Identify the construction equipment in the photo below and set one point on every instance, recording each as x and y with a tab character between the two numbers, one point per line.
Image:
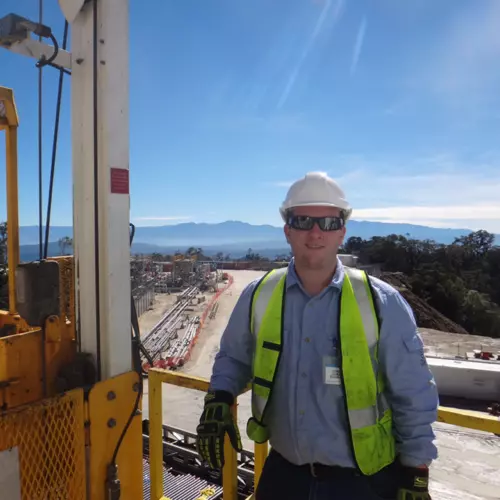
70	423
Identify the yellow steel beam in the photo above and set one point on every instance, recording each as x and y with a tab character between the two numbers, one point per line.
12	213
187	381
261	452
180	379
230	470
469	419
9	110
462	418
155	379
9	123
110	404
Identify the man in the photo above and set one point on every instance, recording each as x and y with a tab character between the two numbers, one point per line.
340	383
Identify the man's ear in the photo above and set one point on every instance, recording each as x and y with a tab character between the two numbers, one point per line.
343	235
286	230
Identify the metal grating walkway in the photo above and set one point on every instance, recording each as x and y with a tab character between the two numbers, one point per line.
182	487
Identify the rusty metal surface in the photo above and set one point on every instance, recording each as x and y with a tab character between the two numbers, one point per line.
182	487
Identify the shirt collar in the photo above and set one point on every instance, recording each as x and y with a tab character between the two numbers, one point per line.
337	279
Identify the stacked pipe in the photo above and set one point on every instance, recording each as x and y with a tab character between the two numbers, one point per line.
179	350
214	310
164	332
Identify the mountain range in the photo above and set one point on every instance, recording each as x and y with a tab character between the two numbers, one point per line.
233	237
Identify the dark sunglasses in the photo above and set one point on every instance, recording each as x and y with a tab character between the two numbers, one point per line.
306	223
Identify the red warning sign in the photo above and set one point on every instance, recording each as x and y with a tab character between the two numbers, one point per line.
119	180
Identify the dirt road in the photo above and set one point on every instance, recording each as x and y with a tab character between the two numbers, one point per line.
182	407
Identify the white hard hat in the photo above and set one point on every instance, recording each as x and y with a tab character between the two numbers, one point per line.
315	189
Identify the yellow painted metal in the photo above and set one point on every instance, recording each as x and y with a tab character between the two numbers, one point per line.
67	295
12	204
22	380
469	419
11	116
261	452
110	405
185	380
18	324
50	439
155	379
463	418
180	379
230	470
21	369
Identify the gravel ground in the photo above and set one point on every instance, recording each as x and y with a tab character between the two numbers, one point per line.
469	461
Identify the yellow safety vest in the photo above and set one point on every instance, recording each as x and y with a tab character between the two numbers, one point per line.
369	415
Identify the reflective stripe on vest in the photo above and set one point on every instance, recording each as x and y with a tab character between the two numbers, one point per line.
369	416
266	319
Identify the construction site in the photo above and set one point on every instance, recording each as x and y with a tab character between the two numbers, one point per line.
105	357
452	477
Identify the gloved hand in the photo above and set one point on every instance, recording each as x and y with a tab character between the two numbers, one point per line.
414	484
215	421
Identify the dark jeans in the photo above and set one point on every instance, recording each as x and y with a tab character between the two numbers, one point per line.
282	480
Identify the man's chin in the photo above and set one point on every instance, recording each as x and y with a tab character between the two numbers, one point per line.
315	262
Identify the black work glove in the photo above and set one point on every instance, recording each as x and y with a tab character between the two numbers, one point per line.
414	484
215	421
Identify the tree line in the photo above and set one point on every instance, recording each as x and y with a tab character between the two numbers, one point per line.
460	280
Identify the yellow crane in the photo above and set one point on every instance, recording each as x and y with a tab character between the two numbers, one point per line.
70	389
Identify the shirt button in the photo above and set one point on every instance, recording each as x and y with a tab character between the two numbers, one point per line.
304	374
302	412
307	339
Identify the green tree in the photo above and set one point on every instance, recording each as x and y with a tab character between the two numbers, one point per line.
460	280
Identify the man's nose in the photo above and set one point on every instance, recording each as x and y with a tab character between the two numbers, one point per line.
316	231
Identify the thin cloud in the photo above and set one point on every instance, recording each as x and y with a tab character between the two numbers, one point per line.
287	184
281	184
462	68
339	7
358	45
447	197
441	190
164	218
432	213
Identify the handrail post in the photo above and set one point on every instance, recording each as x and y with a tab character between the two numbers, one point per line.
230	469
260	455
155	434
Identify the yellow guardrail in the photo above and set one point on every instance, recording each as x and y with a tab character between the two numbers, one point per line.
157	377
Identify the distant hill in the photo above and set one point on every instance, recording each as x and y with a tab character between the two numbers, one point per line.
233	237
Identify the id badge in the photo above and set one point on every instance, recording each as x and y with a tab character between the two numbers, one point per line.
331	371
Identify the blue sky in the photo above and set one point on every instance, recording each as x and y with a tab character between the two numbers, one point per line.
234	100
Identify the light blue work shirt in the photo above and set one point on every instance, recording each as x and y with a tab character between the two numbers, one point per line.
307	417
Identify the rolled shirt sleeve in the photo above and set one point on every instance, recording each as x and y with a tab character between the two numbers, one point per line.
411	389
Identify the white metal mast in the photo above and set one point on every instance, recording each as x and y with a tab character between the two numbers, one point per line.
103	295
99	63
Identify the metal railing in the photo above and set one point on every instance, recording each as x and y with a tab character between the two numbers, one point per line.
157	377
